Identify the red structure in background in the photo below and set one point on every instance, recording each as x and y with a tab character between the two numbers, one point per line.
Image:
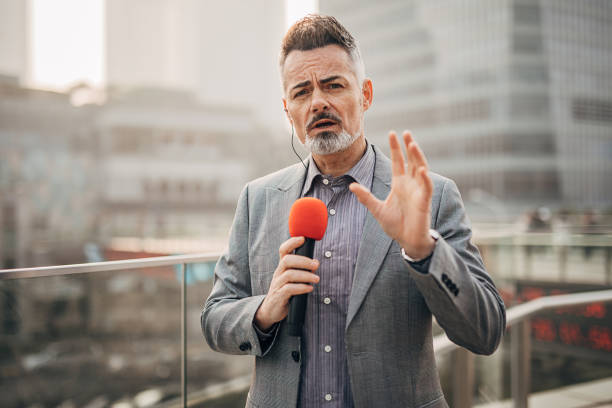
576	328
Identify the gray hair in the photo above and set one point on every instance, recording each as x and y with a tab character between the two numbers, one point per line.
317	31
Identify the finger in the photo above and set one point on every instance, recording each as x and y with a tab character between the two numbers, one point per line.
366	198
293	289
420	158
426	182
289	245
297	276
415	154
291	261
408	141
397	156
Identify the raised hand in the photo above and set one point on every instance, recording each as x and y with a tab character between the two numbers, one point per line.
405	213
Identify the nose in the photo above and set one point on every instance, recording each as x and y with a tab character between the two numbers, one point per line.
319	101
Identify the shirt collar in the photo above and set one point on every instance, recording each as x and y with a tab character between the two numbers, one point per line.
362	172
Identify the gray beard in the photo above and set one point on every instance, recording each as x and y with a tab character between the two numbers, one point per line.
330	142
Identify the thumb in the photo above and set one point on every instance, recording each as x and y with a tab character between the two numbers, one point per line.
366	198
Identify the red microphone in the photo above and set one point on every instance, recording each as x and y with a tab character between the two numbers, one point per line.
308	219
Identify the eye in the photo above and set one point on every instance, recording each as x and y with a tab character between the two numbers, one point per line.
300	93
335	85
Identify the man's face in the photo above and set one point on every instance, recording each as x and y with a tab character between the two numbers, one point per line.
324	100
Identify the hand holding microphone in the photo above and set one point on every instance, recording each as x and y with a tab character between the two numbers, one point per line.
294	274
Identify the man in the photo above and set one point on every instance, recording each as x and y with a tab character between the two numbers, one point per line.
378	274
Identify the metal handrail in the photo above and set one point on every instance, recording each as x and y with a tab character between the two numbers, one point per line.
46	271
519	313
442	344
551	239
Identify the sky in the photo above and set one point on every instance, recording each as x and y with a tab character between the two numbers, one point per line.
67	41
299	8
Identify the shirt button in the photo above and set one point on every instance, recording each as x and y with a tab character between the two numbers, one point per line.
328	397
328	254
327	301
325	181
327	349
332	211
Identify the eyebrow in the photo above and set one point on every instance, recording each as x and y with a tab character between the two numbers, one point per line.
329	79
300	85
323	81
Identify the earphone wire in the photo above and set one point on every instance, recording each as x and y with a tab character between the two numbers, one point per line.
294	151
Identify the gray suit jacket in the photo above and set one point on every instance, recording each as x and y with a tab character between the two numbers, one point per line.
388	327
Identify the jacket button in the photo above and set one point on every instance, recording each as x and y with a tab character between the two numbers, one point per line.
296	356
245	346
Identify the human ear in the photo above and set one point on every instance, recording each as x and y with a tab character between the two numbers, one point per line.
367	94
287	111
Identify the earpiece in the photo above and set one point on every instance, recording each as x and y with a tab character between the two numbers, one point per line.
289	116
292	146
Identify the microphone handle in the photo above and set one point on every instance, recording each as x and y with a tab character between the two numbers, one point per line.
297	304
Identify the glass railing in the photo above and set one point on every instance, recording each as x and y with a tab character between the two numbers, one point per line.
120	333
551	342
127	333
552	350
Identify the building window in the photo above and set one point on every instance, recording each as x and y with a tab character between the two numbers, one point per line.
529	73
168	137
592	110
189	138
532	184
540	144
528	105
163	188
527	14
182	187
526	43
129	139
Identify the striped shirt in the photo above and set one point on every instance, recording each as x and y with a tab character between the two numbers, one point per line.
325	379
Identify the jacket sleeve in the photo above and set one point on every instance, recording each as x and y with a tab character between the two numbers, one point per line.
456	287
227	317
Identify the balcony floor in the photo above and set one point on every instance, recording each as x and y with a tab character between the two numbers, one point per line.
592	394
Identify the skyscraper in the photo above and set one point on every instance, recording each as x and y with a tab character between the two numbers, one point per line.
13	39
511	99
224	52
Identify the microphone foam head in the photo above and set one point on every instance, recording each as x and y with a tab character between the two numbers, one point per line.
308	218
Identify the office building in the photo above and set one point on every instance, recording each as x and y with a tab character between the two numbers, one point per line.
224	52
511	99
14	22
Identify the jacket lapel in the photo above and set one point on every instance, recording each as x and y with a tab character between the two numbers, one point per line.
279	200
374	242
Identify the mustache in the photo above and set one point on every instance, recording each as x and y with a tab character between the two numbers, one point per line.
323	115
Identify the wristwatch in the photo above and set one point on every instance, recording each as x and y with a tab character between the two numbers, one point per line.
435	235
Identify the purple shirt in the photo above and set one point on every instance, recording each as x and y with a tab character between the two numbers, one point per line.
324	380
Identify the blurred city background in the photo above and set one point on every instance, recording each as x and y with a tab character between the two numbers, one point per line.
128	128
